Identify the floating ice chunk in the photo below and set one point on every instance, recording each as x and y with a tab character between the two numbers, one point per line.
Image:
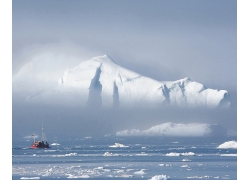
71	154
142	154
185	159
141	172
55	144
118	145
180	154
228	155
228	144
30	178
168	164
199	177
173	154
88	137
184	165
124	175
187	154
119	171
160	177
75	177
110	154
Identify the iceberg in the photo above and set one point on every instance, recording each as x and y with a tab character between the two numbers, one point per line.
176	129
117	145
228	145
100	82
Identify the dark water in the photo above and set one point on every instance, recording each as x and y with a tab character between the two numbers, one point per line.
141	158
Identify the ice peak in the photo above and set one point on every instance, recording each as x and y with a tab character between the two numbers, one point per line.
186	79
103	59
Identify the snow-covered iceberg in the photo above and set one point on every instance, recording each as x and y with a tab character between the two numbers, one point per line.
100	82
118	145
177	129
228	145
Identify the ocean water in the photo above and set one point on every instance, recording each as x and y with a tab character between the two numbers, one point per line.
131	158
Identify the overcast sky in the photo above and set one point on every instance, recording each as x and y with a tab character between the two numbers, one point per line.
165	40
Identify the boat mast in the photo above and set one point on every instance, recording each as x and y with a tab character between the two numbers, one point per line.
43	135
42	131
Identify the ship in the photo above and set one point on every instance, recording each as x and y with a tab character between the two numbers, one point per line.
43	143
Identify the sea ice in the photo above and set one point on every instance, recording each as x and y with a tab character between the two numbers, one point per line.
228	144
118	145
141	172
55	144
160	177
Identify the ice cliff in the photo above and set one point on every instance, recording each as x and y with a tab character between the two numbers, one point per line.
100	82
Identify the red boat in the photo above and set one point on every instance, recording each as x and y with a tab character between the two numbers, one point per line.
40	144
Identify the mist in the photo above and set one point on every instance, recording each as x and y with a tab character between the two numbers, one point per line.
79	122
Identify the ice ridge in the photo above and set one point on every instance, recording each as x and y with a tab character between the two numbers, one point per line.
100	82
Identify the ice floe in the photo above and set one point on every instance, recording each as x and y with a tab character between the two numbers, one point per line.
55	144
228	155
185	159
180	154
116	145
71	154
228	145
110	154
160	177
141	172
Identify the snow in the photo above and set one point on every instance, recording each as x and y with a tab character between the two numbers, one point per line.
228	144
112	85
171	129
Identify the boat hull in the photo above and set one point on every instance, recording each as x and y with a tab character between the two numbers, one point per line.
39	144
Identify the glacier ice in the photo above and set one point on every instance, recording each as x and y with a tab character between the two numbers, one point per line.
100	82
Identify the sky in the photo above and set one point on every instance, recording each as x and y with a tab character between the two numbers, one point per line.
165	40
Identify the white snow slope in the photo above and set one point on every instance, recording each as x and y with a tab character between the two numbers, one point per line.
100	82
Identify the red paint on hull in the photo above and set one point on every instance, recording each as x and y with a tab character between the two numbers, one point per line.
39	144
